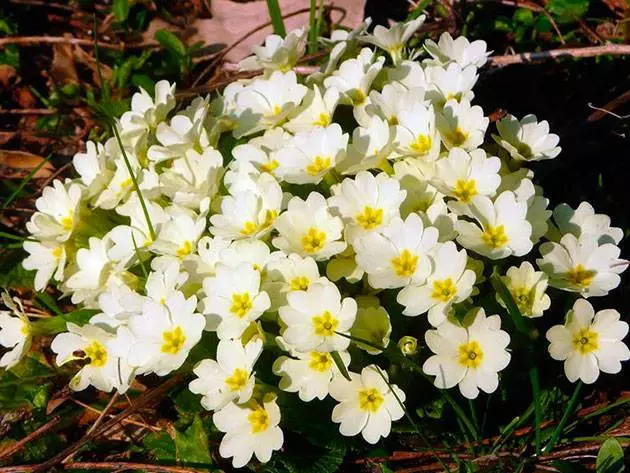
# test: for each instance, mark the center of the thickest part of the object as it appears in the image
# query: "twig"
(607, 109)
(127, 466)
(124, 421)
(590, 51)
(17, 446)
(39, 40)
(42, 3)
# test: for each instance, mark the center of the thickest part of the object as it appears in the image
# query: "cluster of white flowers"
(241, 215)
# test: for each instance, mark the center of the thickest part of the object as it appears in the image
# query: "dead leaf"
(6, 136)
(23, 97)
(63, 71)
(82, 57)
(18, 164)
(58, 399)
(7, 74)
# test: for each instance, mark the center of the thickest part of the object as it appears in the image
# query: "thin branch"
(127, 466)
(39, 40)
(42, 3)
(17, 446)
(124, 421)
(590, 51)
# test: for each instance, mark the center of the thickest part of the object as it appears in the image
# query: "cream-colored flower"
(462, 125)
(459, 50)
(527, 287)
(277, 54)
(526, 139)
(393, 40)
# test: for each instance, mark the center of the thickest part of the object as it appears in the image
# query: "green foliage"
(161, 446)
(192, 445)
(25, 385)
(610, 458)
(567, 11)
(121, 9)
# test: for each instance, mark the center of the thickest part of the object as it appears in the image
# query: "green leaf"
(339, 362)
(524, 16)
(171, 42)
(58, 323)
(161, 445)
(566, 11)
(192, 445)
(121, 9)
(610, 457)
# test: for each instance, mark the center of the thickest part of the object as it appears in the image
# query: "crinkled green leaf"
(610, 458)
(192, 445)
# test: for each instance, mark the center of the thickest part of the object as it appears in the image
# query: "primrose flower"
(48, 259)
(398, 255)
(462, 125)
(178, 236)
(230, 377)
(526, 139)
(416, 134)
(409, 74)
(308, 229)
(458, 50)
(354, 77)
(233, 299)
(581, 265)
(254, 252)
(451, 82)
(314, 317)
(278, 53)
(15, 332)
(310, 155)
(159, 339)
(147, 111)
(367, 203)
(290, 273)
(371, 146)
(57, 211)
(317, 110)
(250, 429)
(464, 175)
(501, 228)
(367, 404)
(394, 39)
(449, 283)
(393, 99)
(92, 168)
(103, 370)
(584, 220)
(372, 325)
(308, 374)
(527, 287)
(589, 342)
(468, 356)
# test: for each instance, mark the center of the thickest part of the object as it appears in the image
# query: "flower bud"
(408, 345)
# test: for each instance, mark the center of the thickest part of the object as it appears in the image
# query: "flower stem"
(533, 377)
(565, 417)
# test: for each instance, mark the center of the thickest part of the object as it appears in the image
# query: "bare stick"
(39, 40)
(591, 51)
(17, 446)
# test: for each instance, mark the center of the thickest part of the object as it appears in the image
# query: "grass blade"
(339, 362)
(312, 32)
(565, 417)
(535, 381)
(24, 182)
(276, 18)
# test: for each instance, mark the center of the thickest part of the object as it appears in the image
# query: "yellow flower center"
(457, 96)
(57, 252)
(269, 167)
(495, 237)
(67, 222)
(299, 283)
(173, 341)
(405, 264)
(320, 361)
(370, 218)
(185, 249)
(322, 120)
(97, 354)
(126, 183)
(270, 216)
(237, 380)
(357, 96)
(524, 298)
(241, 304)
(465, 190)
(524, 150)
(444, 290)
(585, 341)
(258, 419)
(422, 145)
(325, 324)
(580, 276)
(470, 354)
(276, 110)
(25, 329)
(249, 228)
(313, 241)
(370, 399)
(457, 137)
(319, 165)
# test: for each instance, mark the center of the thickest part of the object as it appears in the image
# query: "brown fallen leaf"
(63, 71)
(7, 75)
(18, 164)
(6, 136)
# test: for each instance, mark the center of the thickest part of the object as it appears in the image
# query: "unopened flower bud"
(408, 345)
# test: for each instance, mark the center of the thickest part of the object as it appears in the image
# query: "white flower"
(230, 377)
(250, 429)
(372, 325)
(290, 273)
(316, 110)
(371, 146)
(92, 167)
(233, 299)
(344, 266)
(390, 102)
(354, 77)
(308, 229)
(589, 342)
(104, 370)
(258, 154)
(450, 82)
(469, 356)
(462, 125)
(584, 220)
(47, 258)
(308, 374)
(581, 265)
(266, 103)
(254, 252)
(527, 287)
(146, 111)
(278, 53)
(313, 318)
(311, 154)
(501, 228)
(526, 139)
(159, 339)
(117, 304)
(458, 50)
(193, 177)
(367, 404)
(178, 236)
(57, 211)
(449, 283)
(464, 175)
(367, 203)
(398, 254)
(409, 73)
(416, 134)
(15, 332)
(394, 39)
